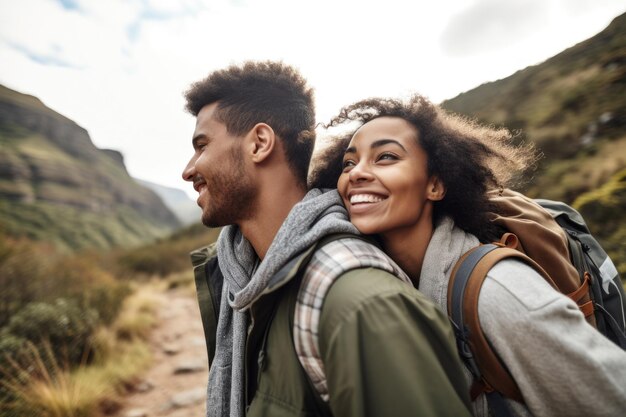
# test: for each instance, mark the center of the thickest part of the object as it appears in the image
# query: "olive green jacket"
(386, 349)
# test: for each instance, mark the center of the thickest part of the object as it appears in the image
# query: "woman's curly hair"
(467, 157)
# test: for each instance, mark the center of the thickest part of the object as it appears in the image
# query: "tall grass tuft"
(38, 384)
(138, 317)
(46, 388)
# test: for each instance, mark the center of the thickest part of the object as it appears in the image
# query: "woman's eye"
(348, 164)
(387, 157)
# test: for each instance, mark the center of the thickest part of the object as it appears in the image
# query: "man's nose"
(190, 170)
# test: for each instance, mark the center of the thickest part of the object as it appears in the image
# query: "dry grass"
(137, 317)
(182, 281)
(39, 386)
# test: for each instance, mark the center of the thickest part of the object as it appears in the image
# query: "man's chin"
(208, 222)
(212, 221)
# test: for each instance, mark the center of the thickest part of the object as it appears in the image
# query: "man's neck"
(273, 207)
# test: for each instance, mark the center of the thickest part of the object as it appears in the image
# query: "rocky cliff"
(56, 185)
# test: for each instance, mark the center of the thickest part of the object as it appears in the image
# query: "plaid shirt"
(327, 264)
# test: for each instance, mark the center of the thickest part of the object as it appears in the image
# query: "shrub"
(166, 256)
(10, 347)
(22, 275)
(66, 326)
(80, 278)
(11, 352)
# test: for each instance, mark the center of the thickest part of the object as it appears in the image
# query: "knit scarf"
(317, 215)
(446, 246)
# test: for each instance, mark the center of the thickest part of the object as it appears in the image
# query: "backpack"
(553, 239)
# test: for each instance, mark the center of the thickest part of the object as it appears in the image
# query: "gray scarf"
(317, 215)
(446, 246)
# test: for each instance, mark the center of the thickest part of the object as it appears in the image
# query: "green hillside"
(55, 185)
(573, 107)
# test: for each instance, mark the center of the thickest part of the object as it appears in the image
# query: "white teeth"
(365, 198)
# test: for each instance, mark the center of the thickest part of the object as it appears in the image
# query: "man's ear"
(261, 142)
(436, 190)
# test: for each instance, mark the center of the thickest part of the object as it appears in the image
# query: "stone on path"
(187, 398)
(171, 349)
(136, 412)
(190, 366)
(198, 341)
(144, 386)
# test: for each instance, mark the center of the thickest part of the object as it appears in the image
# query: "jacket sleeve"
(562, 365)
(388, 351)
(209, 280)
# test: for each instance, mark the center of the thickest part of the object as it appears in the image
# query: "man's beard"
(231, 195)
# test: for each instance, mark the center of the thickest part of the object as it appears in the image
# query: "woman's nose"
(359, 173)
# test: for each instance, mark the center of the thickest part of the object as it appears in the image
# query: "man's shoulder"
(362, 268)
(376, 299)
(204, 254)
(361, 286)
(338, 256)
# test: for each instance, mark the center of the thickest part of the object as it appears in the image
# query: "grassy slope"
(73, 201)
(572, 107)
(28, 102)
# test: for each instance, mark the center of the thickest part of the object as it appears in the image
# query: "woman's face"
(385, 184)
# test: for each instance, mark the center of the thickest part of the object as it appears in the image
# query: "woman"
(416, 178)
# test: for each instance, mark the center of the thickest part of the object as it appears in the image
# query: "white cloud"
(493, 24)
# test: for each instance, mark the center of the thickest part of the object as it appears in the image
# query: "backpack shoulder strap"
(464, 287)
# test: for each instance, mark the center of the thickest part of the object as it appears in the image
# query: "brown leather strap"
(509, 240)
(587, 308)
(479, 387)
(579, 298)
(581, 291)
(490, 365)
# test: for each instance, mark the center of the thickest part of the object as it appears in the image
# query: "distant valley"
(185, 209)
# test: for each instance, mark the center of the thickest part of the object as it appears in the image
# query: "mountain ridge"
(50, 169)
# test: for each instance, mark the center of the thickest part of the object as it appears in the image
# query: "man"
(301, 316)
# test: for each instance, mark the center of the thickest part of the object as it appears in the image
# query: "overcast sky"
(119, 68)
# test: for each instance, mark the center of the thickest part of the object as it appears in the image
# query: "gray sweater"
(562, 365)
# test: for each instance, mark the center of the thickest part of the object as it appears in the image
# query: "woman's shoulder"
(513, 284)
(515, 302)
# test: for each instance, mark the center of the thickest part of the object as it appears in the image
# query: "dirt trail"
(175, 385)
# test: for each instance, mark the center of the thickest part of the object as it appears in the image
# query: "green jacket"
(387, 350)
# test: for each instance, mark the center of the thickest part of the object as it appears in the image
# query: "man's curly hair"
(262, 92)
(468, 158)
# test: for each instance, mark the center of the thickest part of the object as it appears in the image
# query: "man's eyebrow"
(377, 144)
